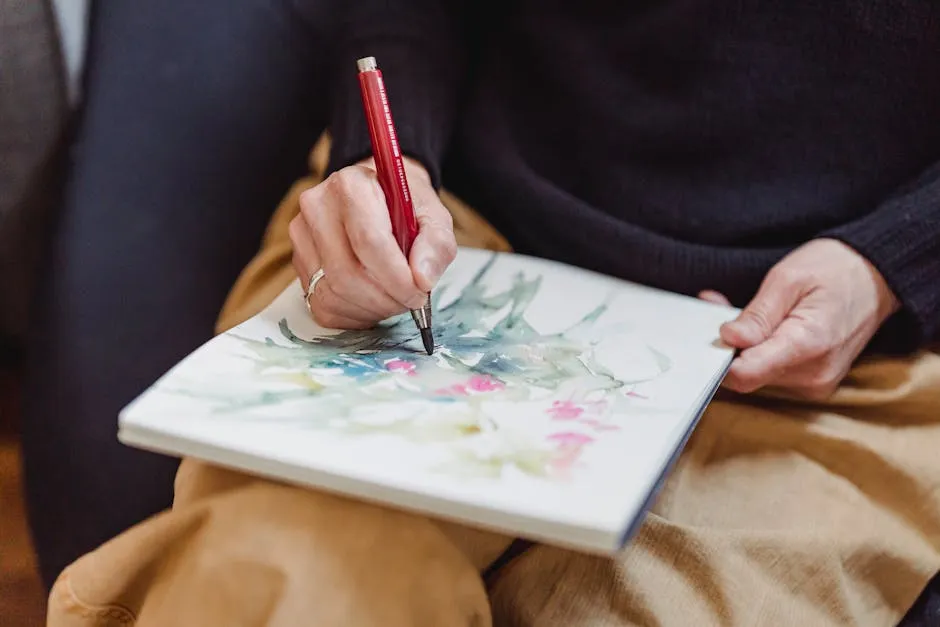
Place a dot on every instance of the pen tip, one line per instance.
(427, 338)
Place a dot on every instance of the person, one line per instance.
(784, 162)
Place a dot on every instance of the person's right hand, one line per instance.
(344, 228)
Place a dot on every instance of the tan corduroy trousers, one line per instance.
(778, 513)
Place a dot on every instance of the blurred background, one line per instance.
(42, 48)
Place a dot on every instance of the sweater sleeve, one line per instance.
(421, 47)
(901, 238)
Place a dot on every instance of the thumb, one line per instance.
(433, 251)
(758, 320)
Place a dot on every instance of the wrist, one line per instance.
(887, 302)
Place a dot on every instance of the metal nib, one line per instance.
(422, 318)
(427, 338)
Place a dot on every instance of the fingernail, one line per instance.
(430, 270)
(732, 333)
(746, 332)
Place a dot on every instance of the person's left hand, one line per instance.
(812, 316)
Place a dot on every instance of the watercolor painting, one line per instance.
(489, 362)
(551, 408)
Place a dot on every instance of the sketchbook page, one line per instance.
(552, 403)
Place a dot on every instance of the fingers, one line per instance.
(818, 377)
(435, 248)
(785, 328)
(329, 309)
(332, 312)
(349, 279)
(788, 347)
(814, 380)
(344, 227)
(793, 357)
(777, 295)
(812, 317)
(806, 352)
(306, 261)
(714, 297)
(363, 215)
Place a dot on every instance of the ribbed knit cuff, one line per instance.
(902, 240)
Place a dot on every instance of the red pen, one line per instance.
(391, 173)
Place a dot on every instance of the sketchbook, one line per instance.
(552, 408)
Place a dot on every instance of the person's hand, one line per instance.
(812, 316)
(344, 228)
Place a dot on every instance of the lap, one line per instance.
(777, 513)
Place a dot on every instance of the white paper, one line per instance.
(554, 427)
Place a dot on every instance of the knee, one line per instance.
(264, 553)
(333, 557)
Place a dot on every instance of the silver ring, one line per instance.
(312, 285)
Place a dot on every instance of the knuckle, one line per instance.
(344, 182)
(332, 185)
(761, 317)
(296, 229)
(361, 172)
(335, 178)
(309, 200)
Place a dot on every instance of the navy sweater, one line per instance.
(683, 144)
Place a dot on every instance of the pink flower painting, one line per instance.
(569, 446)
(401, 366)
(565, 410)
(477, 384)
(589, 413)
(484, 383)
